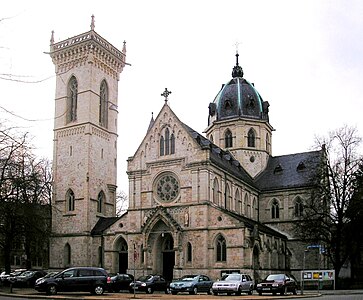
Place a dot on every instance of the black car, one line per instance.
(149, 284)
(11, 279)
(120, 282)
(28, 278)
(192, 284)
(277, 283)
(80, 279)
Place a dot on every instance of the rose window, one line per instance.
(167, 188)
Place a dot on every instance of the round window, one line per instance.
(167, 188)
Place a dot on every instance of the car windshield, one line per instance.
(51, 274)
(275, 277)
(188, 278)
(145, 278)
(27, 273)
(231, 277)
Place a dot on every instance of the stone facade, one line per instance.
(215, 204)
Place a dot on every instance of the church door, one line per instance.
(123, 257)
(168, 256)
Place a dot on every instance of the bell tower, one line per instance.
(87, 69)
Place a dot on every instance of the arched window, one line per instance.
(189, 252)
(67, 255)
(172, 144)
(299, 208)
(247, 206)
(211, 138)
(238, 202)
(70, 200)
(72, 95)
(167, 143)
(251, 138)
(254, 209)
(100, 201)
(227, 203)
(103, 117)
(228, 139)
(275, 209)
(221, 249)
(167, 146)
(162, 146)
(215, 191)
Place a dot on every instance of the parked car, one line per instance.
(12, 276)
(149, 284)
(79, 279)
(277, 283)
(28, 278)
(233, 283)
(50, 274)
(192, 284)
(120, 282)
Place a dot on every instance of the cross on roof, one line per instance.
(165, 94)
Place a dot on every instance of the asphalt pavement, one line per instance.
(32, 294)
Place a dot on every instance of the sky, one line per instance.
(305, 58)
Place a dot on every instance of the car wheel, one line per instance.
(250, 292)
(167, 291)
(210, 291)
(294, 291)
(131, 291)
(98, 290)
(215, 293)
(149, 290)
(259, 293)
(52, 290)
(238, 293)
(195, 291)
(174, 293)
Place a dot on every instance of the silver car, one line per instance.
(233, 283)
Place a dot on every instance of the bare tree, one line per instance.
(122, 203)
(24, 196)
(325, 219)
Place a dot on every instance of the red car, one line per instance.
(277, 283)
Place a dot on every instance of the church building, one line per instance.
(211, 204)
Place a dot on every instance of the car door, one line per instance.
(84, 279)
(66, 281)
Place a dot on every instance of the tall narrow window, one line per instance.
(238, 202)
(162, 142)
(251, 138)
(189, 252)
(100, 201)
(67, 255)
(227, 204)
(103, 109)
(228, 139)
(221, 249)
(215, 191)
(167, 148)
(275, 209)
(70, 200)
(172, 144)
(299, 208)
(72, 95)
(267, 142)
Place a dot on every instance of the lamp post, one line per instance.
(303, 271)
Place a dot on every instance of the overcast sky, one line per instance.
(304, 57)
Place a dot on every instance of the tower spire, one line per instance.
(237, 69)
(92, 22)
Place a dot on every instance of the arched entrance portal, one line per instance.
(163, 252)
(122, 256)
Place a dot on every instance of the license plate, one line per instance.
(266, 289)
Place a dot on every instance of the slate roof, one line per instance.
(290, 171)
(220, 157)
(102, 224)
